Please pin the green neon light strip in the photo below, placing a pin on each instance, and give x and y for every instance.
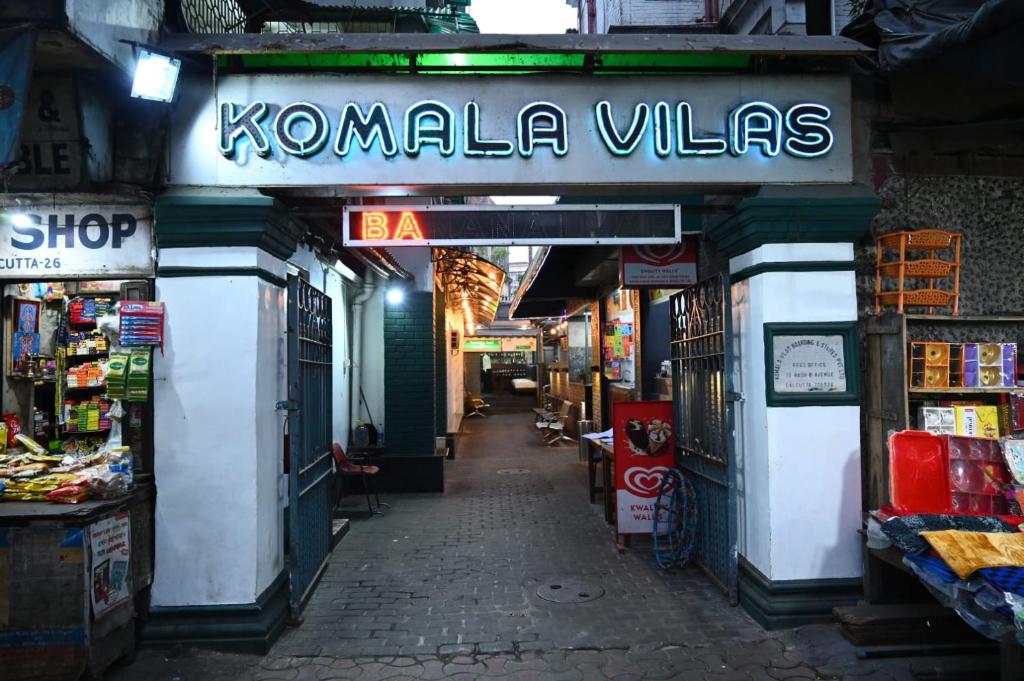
(493, 63)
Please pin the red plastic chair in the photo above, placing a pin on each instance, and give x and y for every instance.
(343, 466)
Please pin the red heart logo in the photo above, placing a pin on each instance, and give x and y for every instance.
(644, 482)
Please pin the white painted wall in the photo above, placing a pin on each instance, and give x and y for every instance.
(218, 438)
(454, 322)
(373, 358)
(617, 13)
(103, 24)
(271, 387)
(798, 467)
(337, 289)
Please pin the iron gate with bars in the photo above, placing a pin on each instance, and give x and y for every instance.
(309, 443)
(704, 414)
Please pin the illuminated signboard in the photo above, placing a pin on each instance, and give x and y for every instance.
(503, 344)
(367, 132)
(482, 345)
(443, 225)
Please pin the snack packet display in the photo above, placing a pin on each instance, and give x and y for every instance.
(69, 494)
(139, 368)
(104, 483)
(13, 428)
(30, 444)
(117, 375)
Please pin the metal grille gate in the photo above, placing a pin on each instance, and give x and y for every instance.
(703, 401)
(309, 470)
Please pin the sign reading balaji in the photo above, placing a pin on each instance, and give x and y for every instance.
(329, 129)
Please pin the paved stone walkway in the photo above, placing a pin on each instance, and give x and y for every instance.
(446, 587)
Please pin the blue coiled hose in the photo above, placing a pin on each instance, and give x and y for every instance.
(676, 534)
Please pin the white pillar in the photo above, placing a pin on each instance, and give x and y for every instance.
(218, 438)
(798, 466)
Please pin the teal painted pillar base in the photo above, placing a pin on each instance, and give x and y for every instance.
(222, 274)
(798, 465)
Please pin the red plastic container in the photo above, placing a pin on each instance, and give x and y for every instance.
(918, 473)
(977, 474)
(946, 474)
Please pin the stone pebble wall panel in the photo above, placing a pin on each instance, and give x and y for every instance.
(987, 211)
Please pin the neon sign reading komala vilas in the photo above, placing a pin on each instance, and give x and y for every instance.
(303, 129)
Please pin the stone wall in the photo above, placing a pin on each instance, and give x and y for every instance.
(987, 211)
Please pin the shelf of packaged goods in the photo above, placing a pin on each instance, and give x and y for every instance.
(93, 356)
(962, 391)
(69, 388)
(75, 433)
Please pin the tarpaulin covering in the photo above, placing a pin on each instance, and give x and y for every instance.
(16, 51)
(967, 36)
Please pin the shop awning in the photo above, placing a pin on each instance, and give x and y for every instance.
(16, 51)
(487, 53)
(562, 279)
(379, 260)
(474, 280)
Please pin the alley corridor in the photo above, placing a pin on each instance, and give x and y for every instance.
(447, 587)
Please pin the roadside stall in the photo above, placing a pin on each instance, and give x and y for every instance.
(945, 451)
(76, 486)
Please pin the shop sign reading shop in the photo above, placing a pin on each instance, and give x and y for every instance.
(315, 130)
(75, 241)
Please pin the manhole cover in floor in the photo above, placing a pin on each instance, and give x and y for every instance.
(513, 471)
(569, 590)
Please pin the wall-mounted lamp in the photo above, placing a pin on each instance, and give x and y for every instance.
(156, 76)
(395, 296)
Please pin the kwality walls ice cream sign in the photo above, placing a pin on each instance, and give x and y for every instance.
(330, 129)
(645, 450)
(43, 240)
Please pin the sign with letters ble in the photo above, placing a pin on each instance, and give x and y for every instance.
(644, 452)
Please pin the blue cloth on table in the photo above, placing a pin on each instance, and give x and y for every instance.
(933, 565)
(1009, 579)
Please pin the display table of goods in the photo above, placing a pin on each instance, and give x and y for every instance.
(86, 468)
(956, 520)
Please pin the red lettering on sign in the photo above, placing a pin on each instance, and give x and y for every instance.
(375, 226)
(408, 228)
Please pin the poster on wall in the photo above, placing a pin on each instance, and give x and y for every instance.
(659, 267)
(618, 351)
(644, 452)
(109, 563)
